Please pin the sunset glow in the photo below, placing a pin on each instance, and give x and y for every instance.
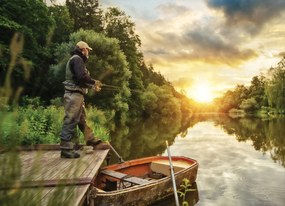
(201, 93)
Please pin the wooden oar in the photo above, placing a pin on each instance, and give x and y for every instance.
(116, 153)
(172, 175)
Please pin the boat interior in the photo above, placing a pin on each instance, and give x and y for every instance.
(125, 176)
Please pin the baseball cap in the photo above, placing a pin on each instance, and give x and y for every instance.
(83, 45)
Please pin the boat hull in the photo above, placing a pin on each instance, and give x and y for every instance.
(147, 193)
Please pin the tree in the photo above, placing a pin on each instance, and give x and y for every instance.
(29, 14)
(275, 89)
(160, 102)
(249, 105)
(257, 91)
(64, 24)
(86, 14)
(29, 17)
(120, 26)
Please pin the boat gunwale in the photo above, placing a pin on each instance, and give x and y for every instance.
(150, 184)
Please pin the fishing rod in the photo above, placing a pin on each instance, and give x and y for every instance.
(116, 88)
(111, 86)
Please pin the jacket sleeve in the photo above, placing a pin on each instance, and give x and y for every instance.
(81, 75)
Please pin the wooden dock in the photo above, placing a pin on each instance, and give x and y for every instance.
(41, 177)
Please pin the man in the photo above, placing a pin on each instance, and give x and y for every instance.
(76, 85)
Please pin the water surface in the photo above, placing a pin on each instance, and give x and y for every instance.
(231, 172)
(241, 161)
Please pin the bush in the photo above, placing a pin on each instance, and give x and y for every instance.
(31, 125)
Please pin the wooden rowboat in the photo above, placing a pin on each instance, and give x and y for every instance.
(141, 181)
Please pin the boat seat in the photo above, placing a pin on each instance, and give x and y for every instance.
(125, 177)
(163, 167)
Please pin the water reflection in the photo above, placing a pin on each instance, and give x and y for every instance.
(266, 135)
(192, 198)
(144, 138)
(147, 138)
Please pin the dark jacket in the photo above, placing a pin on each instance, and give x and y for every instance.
(77, 78)
(80, 73)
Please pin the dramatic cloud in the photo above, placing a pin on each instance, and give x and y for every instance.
(199, 43)
(251, 14)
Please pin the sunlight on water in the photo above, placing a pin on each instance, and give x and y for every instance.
(231, 172)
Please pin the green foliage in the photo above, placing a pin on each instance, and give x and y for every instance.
(275, 88)
(42, 125)
(10, 92)
(64, 24)
(185, 187)
(24, 13)
(96, 119)
(31, 19)
(257, 91)
(29, 125)
(160, 101)
(86, 14)
(120, 26)
(249, 105)
(232, 99)
(262, 92)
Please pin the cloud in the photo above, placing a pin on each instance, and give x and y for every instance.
(252, 15)
(210, 45)
(172, 9)
(199, 43)
(183, 82)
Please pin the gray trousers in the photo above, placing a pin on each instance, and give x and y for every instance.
(75, 115)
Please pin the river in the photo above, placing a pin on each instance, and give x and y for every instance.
(241, 161)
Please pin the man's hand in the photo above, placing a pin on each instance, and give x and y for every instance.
(97, 86)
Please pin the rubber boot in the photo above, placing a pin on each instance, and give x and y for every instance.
(67, 150)
(97, 144)
(71, 154)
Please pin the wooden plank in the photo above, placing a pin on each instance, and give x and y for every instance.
(38, 160)
(125, 177)
(49, 183)
(92, 169)
(46, 168)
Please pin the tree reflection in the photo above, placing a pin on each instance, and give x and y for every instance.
(267, 135)
(143, 138)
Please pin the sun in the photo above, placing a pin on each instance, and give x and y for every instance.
(202, 93)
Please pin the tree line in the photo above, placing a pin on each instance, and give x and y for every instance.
(49, 33)
(264, 96)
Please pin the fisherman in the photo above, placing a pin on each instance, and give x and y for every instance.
(76, 85)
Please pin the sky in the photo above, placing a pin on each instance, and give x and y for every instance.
(206, 47)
